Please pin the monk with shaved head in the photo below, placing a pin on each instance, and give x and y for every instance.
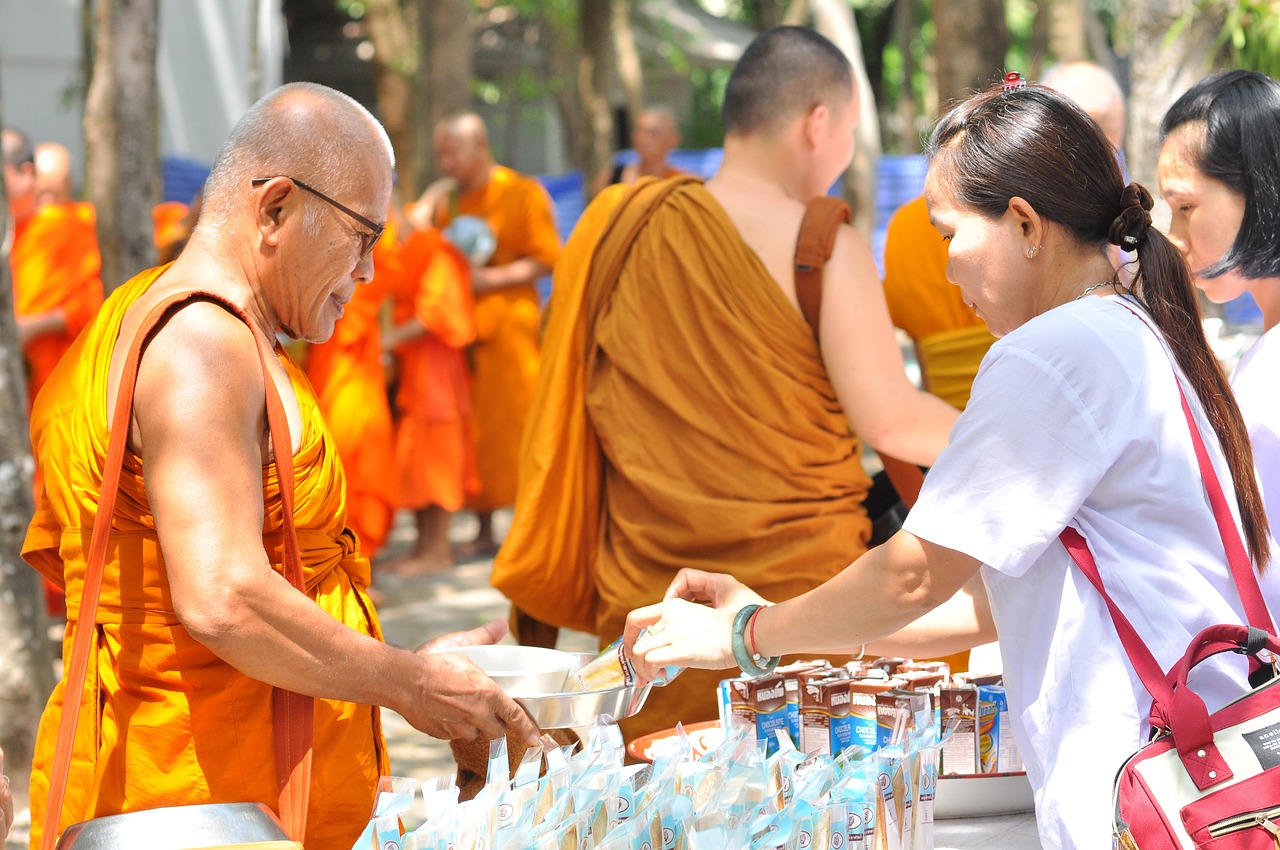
(689, 410)
(524, 247)
(653, 137)
(214, 647)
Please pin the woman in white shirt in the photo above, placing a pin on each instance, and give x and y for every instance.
(1075, 420)
(1220, 173)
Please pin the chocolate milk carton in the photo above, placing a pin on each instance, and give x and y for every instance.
(959, 705)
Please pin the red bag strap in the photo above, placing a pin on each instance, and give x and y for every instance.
(1175, 706)
(293, 713)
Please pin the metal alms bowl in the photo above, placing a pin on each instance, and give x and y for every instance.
(177, 828)
(522, 670)
(569, 710)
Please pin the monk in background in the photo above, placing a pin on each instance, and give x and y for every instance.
(505, 354)
(55, 263)
(685, 412)
(654, 136)
(434, 322)
(350, 383)
(198, 625)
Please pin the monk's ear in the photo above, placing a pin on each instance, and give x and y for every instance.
(274, 203)
(815, 123)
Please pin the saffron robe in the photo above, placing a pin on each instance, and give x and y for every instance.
(950, 339)
(56, 266)
(163, 720)
(350, 383)
(718, 437)
(505, 353)
(434, 452)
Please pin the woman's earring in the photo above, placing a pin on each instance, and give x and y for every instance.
(1032, 251)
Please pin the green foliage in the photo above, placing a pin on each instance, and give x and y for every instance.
(705, 129)
(1252, 35)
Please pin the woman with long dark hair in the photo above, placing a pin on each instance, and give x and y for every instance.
(1075, 421)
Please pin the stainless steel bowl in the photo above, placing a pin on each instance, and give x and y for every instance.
(569, 710)
(176, 828)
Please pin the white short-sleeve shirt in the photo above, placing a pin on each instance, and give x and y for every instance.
(1254, 382)
(1075, 419)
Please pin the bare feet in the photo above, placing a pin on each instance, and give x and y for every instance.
(477, 550)
(420, 564)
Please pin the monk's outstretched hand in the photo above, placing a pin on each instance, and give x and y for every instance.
(457, 700)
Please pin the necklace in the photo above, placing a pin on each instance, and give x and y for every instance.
(1089, 289)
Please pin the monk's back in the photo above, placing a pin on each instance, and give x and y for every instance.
(767, 221)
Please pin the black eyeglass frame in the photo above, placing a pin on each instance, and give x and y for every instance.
(367, 240)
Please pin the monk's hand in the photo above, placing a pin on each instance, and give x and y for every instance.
(715, 589)
(457, 701)
(6, 801)
(491, 632)
(680, 633)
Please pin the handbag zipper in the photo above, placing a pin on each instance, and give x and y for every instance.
(1268, 819)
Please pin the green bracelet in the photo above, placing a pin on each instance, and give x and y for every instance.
(752, 664)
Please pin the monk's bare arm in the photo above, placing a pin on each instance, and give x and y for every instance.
(521, 272)
(407, 331)
(31, 327)
(199, 410)
(862, 356)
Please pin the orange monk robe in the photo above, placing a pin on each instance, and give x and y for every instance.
(55, 263)
(347, 374)
(163, 720)
(505, 354)
(169, 228)
(697, 425)
(435, 453)
(950, 339)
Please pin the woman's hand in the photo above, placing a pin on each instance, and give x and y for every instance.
(692, 627)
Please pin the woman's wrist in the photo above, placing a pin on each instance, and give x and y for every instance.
(742, 641)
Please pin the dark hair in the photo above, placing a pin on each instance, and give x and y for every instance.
(1033, 143)
(784, 69)
(1240, 111)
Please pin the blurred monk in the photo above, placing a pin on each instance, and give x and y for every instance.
(434, 454)
(55, 264)
(654, 136)
(505, 354)
(686, 414)
(351, 385)
(203, 640)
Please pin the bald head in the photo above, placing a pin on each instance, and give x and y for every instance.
(462, 149)
(1094, 90)
(19, 173)
(784, 72)
(301, 130)
(655, 133)
(53, 174)
(17, 148)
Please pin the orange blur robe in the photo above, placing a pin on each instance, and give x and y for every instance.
(169, 229)
(56, 266)
(351, 385)
(505, 354)
(163, 720)
(435, 452)
(950, 340)
(709, 439)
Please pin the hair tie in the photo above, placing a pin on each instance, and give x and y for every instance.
(1129, 230)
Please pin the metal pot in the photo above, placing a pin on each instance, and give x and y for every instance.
(179, 828)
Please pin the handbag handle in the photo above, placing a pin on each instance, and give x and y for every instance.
(293, 713)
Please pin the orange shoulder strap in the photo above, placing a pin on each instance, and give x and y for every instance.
(822, 219)
(293, 713)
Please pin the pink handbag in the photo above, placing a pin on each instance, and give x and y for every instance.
(1204, 780)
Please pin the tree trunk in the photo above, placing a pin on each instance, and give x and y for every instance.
(26, 654)
(1161, 70)
(834, 19)
(630, 71)
(561, 68)
(444, 73)
(594, 63)
(393, 29)
(121, 122)
(972, 41)
(1067, 30)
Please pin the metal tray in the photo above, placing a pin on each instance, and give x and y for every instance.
(177, 828)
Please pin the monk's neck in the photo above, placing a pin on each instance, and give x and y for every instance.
(478, 183)
(205, 268)
(761, 169)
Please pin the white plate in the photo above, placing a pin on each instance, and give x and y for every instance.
(983, 794)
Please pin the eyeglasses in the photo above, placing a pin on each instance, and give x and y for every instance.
(367, 239)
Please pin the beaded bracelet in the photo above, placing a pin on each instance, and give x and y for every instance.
(752, 663)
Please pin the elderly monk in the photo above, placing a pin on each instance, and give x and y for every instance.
(694, 419)
(197, 624)
(434, 323)
(55, 264)
(505, 354)
(348, 378)
(654, 136)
